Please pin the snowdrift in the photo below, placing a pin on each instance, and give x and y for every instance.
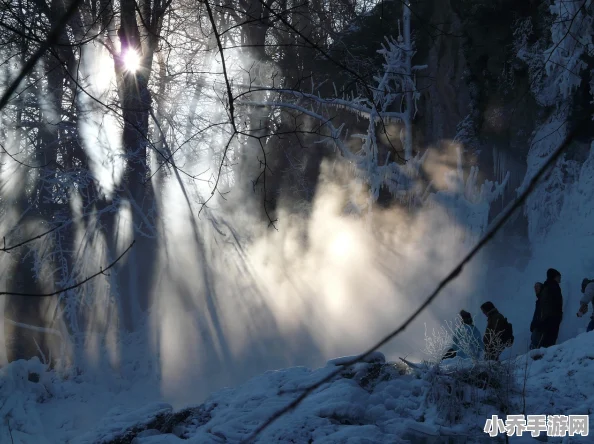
(374, 402)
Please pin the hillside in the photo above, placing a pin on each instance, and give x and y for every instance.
(375, 402)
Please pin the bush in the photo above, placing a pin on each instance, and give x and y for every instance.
(475, 385)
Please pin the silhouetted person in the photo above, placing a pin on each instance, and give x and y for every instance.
(588, 290)
(551, 309)
(467, 341)
(498, 333)
(536, 336)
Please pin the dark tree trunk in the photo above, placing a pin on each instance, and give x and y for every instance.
(136, 270)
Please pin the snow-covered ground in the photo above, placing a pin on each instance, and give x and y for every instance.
(98, 404)
(376, 402)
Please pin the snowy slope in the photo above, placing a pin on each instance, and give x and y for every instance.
(376, 402)
(562, 238)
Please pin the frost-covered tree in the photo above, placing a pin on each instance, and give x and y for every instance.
(398, 83)
(467, 200)
(571, 35)
(555, 64)
(391, 99)
(556, 68)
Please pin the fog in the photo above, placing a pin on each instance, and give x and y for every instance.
(231, 296)
(234, 298)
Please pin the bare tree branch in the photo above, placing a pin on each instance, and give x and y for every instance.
(51, 39)
(78, 284)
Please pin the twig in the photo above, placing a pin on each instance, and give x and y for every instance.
(78, 284)
(230, 101)
(411, 364)
(44, 359)
(52, 331)
(12, 247)
(524, 385)
(51, 39)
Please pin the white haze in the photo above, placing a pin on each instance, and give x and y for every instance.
(99, 130)
(232, 298)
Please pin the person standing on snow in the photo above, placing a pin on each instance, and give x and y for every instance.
(498, 334)
(551, 309)
(467, 341)
(588, 290)
(536, 336)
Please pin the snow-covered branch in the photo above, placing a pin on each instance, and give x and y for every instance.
(393, 99)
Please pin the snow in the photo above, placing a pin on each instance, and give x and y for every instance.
(558, 212)
(564, 58)
(119, 418)
(93, 408)
(375, 402)
(560, 230)
(555, 378)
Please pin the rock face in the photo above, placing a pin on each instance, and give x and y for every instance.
(475, 87)
(445, 94)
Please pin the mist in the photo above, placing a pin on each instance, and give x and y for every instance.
(220, 284)
(233, 298)
(206, 195)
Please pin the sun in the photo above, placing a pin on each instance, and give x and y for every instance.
(131, 60)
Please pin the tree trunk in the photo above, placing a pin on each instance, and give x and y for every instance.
(136, 270)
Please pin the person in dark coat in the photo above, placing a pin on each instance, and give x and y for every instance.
(493, 338)
(536, 336)
(551, 309)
